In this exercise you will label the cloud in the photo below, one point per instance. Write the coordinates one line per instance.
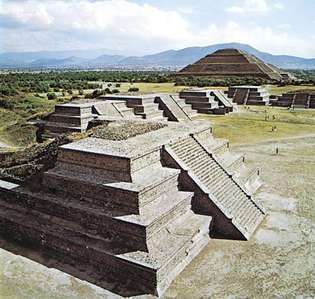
(113, 22)
(128, 27)
(254, 6)
(260, 37)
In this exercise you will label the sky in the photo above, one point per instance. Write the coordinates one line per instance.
(138, 27)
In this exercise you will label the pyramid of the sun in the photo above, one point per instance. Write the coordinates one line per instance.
(230, 63)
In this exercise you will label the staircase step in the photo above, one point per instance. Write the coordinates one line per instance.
(219, 183)
(145, 271)
(102, 193)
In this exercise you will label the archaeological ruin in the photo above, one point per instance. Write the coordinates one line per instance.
(248, 95)
(131, 202)
(233, 63)
(298, 99)
(75, 116)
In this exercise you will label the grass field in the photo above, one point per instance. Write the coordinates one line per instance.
(249, 125)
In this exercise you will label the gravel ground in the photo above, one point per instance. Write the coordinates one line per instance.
(276, 263)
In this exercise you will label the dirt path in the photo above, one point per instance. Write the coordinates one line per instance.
(266, 141)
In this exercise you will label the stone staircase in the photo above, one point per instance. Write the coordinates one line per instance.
(234, 164)
(185, 107)
(173, 109)
(249, 95)
(223, 100)
(201, 101)
(108, 213)
(301, 100)
(235, 213)
(142, 105)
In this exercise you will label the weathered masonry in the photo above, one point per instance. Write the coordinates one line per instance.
(130, 214)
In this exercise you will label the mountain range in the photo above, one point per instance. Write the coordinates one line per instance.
(105, 59)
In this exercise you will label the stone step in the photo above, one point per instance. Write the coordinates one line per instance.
(128, 112)
(147, 184)
(227, 191)
(152, 114)
(232, 162)
(73, 109)
(63, 128)
(112, 225)
(248, 177)
(79, 157)
(194, 99)
(146, 108)
(146, 272)
(201, 105)
(70, 119)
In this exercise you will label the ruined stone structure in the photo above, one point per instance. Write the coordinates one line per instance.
(248, 95)
(130, 214)
(232, 63)
(207, 101)
(76, 116)
(298, 99)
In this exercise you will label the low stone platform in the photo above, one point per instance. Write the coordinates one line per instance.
(207, 101)
(298, 99)
(249, 95)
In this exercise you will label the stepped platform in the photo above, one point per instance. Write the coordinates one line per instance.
(298, 99)
(248, 95)
(207, 101)
(69, 118)
(143, 105)
(108, 207)
(129, 212)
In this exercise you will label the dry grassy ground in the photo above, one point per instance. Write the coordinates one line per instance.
(254, 124)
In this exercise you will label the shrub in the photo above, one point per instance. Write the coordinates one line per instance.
(7, 104)
(51, 96)
(133, 89)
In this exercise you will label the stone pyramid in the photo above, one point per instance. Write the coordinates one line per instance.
(230, 63)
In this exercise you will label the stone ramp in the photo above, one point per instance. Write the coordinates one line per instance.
(223, 100)
(238, 207)
(107, 108)
(171, 108)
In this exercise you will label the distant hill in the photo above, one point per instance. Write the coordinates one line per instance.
(172, 59)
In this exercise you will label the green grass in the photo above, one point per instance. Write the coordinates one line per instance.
(14, 129)
(249, 125)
